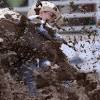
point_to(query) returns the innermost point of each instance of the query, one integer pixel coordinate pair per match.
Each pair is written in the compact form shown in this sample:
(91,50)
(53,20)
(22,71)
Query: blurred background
(77,13)
(17,3)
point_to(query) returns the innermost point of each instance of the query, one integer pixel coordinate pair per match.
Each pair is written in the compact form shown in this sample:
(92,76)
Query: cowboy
(46,10)
(46,13)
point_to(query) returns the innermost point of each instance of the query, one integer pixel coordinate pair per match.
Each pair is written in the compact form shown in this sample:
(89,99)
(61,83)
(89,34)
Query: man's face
(47,16)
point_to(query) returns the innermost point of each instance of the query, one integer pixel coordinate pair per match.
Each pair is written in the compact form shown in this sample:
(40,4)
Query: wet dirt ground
(51,85)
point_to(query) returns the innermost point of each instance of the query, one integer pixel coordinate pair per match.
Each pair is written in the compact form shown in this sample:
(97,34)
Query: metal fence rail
(63,6)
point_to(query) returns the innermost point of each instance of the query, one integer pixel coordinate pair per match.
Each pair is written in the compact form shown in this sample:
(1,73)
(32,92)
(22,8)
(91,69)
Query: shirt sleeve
(33,17)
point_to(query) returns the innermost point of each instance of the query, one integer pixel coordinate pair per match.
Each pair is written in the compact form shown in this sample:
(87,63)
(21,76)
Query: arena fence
(79,15)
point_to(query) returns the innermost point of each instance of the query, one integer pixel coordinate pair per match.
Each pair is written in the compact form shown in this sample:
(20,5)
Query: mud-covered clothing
(27,76)
(27,69)
(45,29)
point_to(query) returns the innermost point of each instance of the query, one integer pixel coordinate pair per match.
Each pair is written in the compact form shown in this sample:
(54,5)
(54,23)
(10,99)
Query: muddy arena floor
(85,47)
(87,88)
